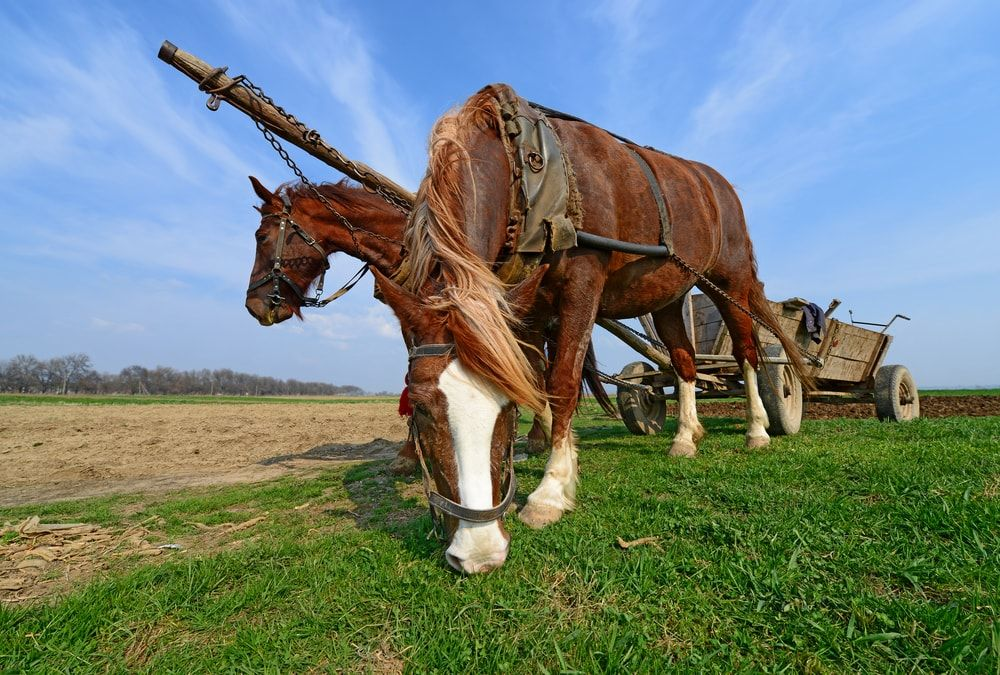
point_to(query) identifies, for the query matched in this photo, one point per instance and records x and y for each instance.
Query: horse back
(619, 203)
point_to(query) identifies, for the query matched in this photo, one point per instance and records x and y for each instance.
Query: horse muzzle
(266, 313)
(478, 547)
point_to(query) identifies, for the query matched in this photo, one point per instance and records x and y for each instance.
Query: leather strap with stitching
(666, 234)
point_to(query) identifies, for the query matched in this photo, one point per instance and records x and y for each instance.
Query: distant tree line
(74, 373)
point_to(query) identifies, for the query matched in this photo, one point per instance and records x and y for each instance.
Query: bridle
(439, 502)
(277, 274)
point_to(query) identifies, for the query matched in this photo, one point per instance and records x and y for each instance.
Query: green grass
(124, 399)
(853, 546)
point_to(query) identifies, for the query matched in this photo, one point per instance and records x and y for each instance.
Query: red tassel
(405, 409)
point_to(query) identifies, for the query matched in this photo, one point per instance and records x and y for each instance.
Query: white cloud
(87, 104)
(804, 90)
(342, 328)
(334, 53)
(769, 53)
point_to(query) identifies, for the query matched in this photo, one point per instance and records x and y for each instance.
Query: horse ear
(404, 304)
(521, 297)
(261, 191)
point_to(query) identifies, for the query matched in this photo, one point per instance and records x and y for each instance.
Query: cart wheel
(781, 392)
(896, 396)
(642, 413)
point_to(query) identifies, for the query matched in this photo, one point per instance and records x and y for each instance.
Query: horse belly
(640, 285)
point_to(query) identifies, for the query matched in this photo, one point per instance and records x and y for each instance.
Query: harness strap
(417, 351)
(666, 230)
(438, 502)
(351, 283)
(455, 509)
(277, 275)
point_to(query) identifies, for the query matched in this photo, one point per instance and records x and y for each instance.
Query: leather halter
(439, 502)
(277, 274)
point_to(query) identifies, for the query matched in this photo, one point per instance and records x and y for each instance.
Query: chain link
(312, 136)
(624, 384)
(732, 301)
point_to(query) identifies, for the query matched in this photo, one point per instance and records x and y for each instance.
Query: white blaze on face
(473, 408)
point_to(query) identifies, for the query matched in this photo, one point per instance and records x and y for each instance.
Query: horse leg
(669, 322)
(540, 434)
(744, 350)
(557, 492)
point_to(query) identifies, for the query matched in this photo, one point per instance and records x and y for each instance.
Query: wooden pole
(636, 343)
(252, 105)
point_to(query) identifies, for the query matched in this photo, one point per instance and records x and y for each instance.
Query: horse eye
(261, 237)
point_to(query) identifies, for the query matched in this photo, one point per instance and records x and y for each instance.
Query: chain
(732, 301)
(623, 384)
(276, 144)
(312, 136)
(651, 340)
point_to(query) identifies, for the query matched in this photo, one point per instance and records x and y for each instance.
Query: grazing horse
(470, 336)
(356, 222)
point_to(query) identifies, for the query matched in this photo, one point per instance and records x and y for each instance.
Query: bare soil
(930, 406)
(56, 452)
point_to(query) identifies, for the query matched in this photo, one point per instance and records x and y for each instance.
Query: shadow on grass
(392, 505)
(396, 506)
(379, 448)
(605, 431)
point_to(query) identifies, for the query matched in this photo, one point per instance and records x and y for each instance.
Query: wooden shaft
(258, 109)
(636, 343)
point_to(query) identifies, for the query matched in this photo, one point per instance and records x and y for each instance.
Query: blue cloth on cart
(815, 321)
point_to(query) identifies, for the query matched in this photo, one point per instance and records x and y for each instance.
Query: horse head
(289, 258)
(300, 225)
(464, 423)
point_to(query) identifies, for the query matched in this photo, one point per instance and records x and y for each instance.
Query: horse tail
(762, 308)
(593, 382)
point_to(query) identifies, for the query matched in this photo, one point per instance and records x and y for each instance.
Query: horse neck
(486, 220)
(376, 239)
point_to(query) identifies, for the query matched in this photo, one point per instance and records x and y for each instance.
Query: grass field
(853, 546)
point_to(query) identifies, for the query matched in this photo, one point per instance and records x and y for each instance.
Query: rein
(435, 500)
(277, 274)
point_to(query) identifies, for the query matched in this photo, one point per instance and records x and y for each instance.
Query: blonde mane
(449, 275)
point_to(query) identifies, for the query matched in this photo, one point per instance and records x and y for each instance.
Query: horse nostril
(456, 563)
(475, 566)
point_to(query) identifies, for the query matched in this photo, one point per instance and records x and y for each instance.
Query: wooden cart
(846, 366)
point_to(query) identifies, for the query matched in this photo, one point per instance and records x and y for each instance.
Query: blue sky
(863, 139)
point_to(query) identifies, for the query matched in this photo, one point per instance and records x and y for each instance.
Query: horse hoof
(536, 446)
(537, 516)
(403, 466)
(683, 449)
(754, 442)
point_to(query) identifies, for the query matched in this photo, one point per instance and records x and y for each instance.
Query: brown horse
(468, 333)
(355, 222)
